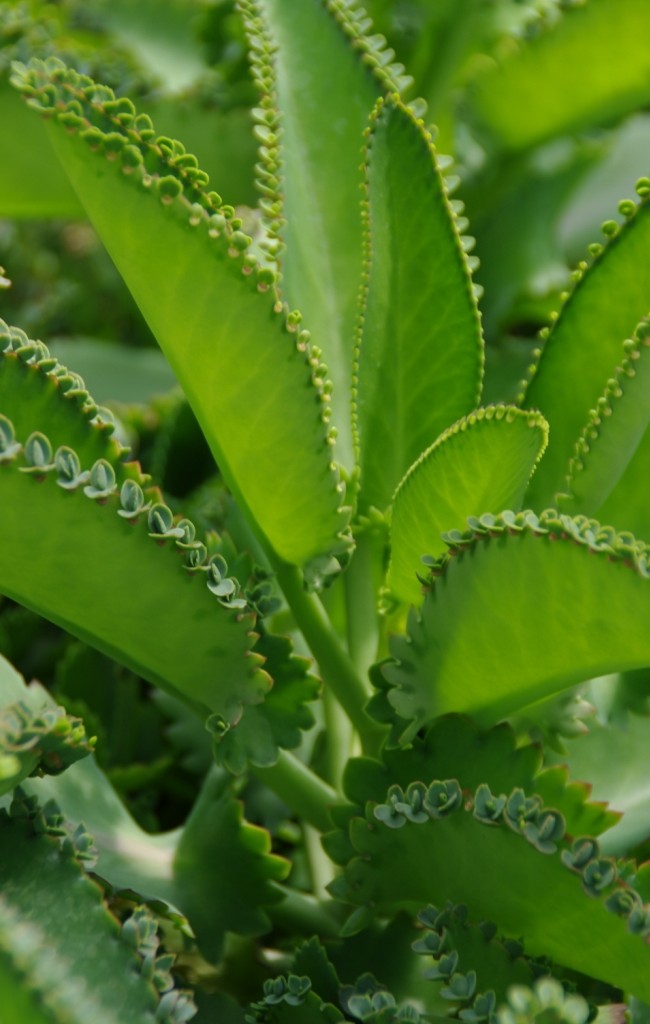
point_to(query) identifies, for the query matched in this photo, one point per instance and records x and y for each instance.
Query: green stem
(360, 600)
(301, 913)
(304, 791)
(339, 734)
(320, 866)
(334, 663)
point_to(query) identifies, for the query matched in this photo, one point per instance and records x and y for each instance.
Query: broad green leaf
(483, 462)
(584, 344)
(454, 747)
(32, 182)
(419, 362)
(401, 864)
(212, 309)
(174, 631)
(569, 59)
(43, 887)
(612, 447)
(308, 173)
(522, 608)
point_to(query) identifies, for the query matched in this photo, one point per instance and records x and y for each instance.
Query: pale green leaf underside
(595, 67)
(482, 463)
(515, 619)
(105, 580)
(584, 347)
(500, 877)
(324, 93)
(420, 357)
(41, 888)
(612, 449)
(202, 300)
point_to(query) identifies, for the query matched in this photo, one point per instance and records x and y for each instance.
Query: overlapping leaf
(483, 462)
(420, 350)
(583, 347)
(310, 124)
(523, 607)
(210, 306)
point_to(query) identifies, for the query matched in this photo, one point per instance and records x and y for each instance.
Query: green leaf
(419, 362)
(314, 212)
(176, 868)
(584, 344)
(231, 898)
(35, 388)
(528, 606)
(607, 456)
(180, 636)
(280, 719)
(459, 858)
(484, 462)
(42, 887)
(147, 200)
(569, 59)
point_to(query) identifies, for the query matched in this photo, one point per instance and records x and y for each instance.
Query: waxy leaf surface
(420, 350)
(484, 462)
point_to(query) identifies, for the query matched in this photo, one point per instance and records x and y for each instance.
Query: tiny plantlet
(395, 628)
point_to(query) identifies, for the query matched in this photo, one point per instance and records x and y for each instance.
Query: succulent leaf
(482, 462)
(232, 310)
(457, 657)
(418, 329)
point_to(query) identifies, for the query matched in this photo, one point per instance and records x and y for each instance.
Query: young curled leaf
(545, 831)
(521, 809)
(68, 468)
(132, 500)
(443, 798)
(598, 875)
(488, 808)
(160, 521)
(444, 967)
(9, 447)
(102, 481)
(584, 849)
(38, 455)
(390, 813)
(461, 986)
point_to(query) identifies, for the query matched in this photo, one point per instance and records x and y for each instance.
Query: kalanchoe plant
(450, 570)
